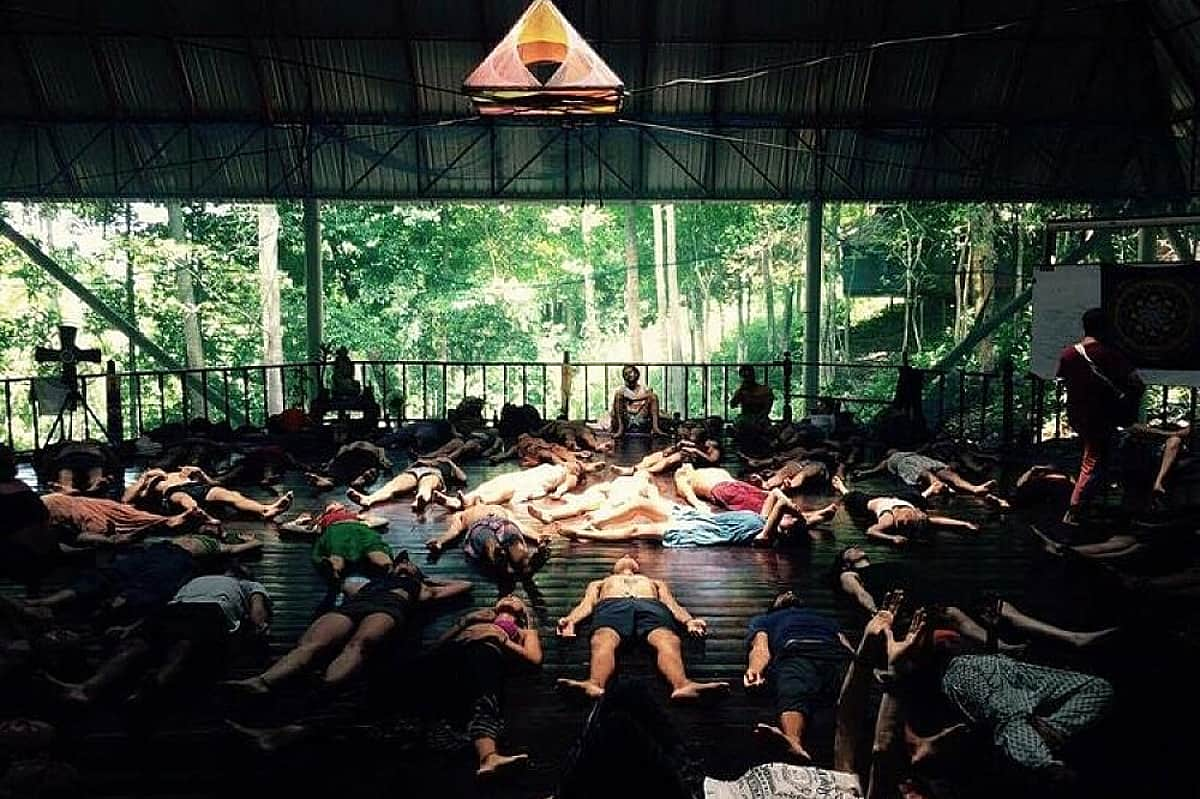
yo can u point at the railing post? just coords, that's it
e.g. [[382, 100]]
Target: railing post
[[787, 387], [564, 385], [1006, 374], [112, 390]]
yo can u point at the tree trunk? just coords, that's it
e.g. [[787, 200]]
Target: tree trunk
[[678, 321], [741, 326], [135, 392], [268, 289], [633, 319], [983, 274], [590, 327], [186, 294], [769, 294], [662, 317]]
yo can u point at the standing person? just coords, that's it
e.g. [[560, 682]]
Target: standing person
[[803, 655], [1102, 386]]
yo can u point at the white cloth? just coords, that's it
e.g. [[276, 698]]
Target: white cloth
[[231, 594], [785, 781]]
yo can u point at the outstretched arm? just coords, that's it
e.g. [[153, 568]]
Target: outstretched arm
[[852, 584], [530, 646], [566, 625], [950, 522], [879, 531], [463, 623], [876, 469], [432, 592], [695, 626], [760, 657], [454, 531], [684, 486]]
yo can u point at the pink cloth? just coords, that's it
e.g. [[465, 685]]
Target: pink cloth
[[736, 495]]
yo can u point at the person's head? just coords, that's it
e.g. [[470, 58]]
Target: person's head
[[1095, 323], [511, 605], [626, 564], [792, 528], [747, 374], [855, 503], [8, 463], [785, 599], [631, 375], [402, 564], [849, 558]]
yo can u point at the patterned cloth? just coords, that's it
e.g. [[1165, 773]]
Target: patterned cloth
[[1003, 694], [780, 781], [911, 466]]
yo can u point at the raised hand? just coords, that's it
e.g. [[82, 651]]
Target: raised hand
[[697, 628], [566, 627]]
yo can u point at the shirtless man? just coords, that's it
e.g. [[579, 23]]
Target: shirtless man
[[627, 605], [614, 492], [634, 407], [552, 480], [720, 488]]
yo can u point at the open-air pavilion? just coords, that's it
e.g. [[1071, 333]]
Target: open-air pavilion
[[780, 100]]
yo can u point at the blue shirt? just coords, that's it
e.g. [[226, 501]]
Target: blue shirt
[[793, 624], [691, 528]]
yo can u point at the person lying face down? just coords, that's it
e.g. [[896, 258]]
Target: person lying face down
[[629, 606]]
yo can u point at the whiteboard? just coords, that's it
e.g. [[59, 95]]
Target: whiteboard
[[1060, 296]]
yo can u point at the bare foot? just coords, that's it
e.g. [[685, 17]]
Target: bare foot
[[790, 745], [272, 739], [280, 505], [919, 749], [586, 688], [497, 764], [68, 692], [1089, 639], [256, 686], [356, 496], [692, 691], [568, 533], [318, 482], [999, 502]]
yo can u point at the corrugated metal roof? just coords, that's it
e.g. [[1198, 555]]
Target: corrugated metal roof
[[1021, 100]]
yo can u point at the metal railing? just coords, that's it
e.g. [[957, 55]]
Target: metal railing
[[995, 407]]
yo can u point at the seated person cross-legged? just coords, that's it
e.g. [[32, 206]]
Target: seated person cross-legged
[[629, 606], [635, 408]]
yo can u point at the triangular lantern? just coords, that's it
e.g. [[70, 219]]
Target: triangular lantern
[[543, 66]]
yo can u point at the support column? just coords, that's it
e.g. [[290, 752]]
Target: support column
[[314, 288], [812, 303]]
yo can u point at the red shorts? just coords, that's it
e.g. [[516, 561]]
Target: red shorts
[[736, 495]]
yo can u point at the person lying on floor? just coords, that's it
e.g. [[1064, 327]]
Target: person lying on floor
[[546, 480], [575, 435], [802, 655], [896, 519], [619, 490], [531, 450], [78, 467], [696, 450], [191, 489], [683, 526], [139, 581], [192, 636], [466, 672], [495, 542], [868, 583], [422, 478], [796, 476], [1030, 712], [357, 465], [720, 488], [347, 544], [1168, 444], [91, 521], [373, 613], [931, 475], [628, 606], [263, 466]]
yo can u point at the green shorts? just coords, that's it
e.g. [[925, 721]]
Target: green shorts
[[351, 541]]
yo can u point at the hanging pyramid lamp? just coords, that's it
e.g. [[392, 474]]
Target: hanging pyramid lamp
[[543, 66]]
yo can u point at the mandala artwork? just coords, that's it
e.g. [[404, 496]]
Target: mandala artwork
[[1155, 314]]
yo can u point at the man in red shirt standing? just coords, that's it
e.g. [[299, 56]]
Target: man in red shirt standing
[[1092, 401]]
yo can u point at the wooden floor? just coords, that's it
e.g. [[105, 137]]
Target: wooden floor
[[193, 754]]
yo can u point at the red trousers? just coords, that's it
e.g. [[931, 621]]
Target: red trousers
[[1096, 448]]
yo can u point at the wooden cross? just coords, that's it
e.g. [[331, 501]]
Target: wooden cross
[[68, 355]]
